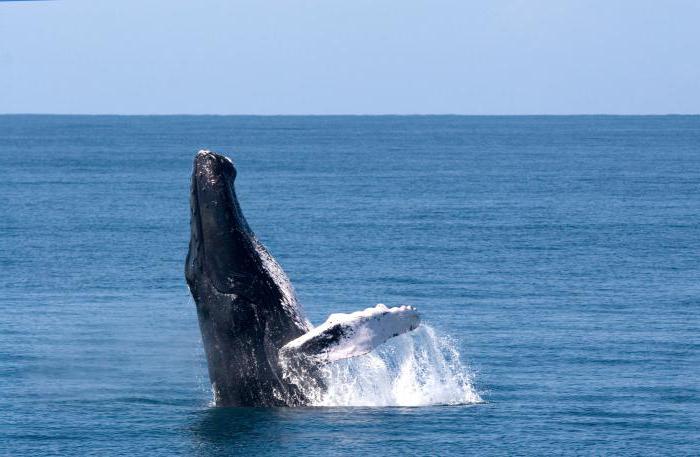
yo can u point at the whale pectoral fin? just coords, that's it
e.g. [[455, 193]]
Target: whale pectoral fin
[[348, 335]]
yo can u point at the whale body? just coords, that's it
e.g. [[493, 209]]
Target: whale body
[[253, 328]]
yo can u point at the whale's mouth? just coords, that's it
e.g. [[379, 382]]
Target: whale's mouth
[[220, 239]]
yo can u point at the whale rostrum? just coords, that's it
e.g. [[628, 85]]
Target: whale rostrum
[[253, 328]]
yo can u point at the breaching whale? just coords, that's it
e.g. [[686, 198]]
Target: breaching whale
[[253, 329]]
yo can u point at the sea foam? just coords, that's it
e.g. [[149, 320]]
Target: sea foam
[[419, 368]]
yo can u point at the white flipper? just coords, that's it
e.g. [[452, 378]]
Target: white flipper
[[348, 335]]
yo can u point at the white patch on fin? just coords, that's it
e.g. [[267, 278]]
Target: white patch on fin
[[348, 335]]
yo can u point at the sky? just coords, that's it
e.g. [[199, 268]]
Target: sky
[[350, 57]]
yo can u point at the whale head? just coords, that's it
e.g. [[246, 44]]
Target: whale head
[[220, 236]]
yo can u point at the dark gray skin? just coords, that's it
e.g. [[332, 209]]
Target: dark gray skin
[[246, 307]]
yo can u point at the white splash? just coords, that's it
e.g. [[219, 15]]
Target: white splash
[[415, 369]]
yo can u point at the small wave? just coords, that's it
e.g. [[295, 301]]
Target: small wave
[[419, 368]]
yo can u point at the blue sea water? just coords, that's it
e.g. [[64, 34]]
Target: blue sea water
[[562, 254]]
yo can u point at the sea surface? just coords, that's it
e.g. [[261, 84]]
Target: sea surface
[[559, 256]]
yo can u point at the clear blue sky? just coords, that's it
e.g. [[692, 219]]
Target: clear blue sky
[[350, 56]]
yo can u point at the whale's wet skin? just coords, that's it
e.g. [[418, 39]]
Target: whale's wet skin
[[261, 350]]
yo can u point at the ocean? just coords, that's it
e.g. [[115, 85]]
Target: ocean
[[555, 262]]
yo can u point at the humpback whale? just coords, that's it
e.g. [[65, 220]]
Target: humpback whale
[[253, 329]]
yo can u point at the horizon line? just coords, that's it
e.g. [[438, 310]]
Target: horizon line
[[354, 114]]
